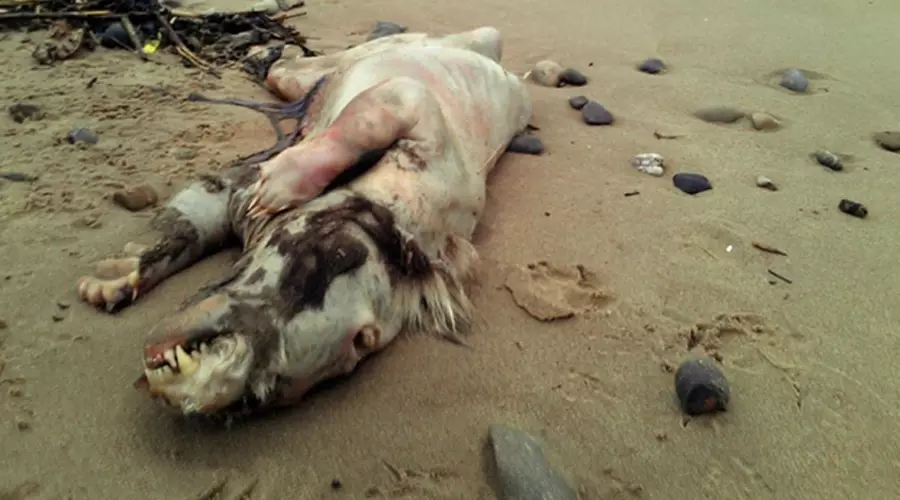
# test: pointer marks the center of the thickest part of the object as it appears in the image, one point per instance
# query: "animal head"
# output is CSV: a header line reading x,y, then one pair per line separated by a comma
x,y
317,296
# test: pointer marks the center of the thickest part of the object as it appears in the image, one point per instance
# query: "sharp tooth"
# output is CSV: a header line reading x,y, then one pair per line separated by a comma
x,y
185,362
170,358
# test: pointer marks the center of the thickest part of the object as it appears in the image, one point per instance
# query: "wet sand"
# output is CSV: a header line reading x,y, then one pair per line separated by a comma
x,y
815,396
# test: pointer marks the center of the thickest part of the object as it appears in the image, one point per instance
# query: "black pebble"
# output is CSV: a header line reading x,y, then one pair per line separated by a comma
x,y
336,484
578,102
572,77
829,160
385,28
701,387
652,66
17,177
82,135
526,144
115,37
853,208
594,113
691,183
888,140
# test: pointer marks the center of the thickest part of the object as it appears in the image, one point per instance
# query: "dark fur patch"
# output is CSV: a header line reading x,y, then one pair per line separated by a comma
x,y
326,250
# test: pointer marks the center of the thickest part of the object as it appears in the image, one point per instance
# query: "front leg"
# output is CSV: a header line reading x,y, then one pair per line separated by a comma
x,y
194,224
399,108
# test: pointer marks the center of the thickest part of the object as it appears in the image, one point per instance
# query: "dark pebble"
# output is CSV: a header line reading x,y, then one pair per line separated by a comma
x,y
385,28
82,135
853,208
523,470
526,144
578,102
889,140
701,387
828,160
17,177
336,484
691,183
794,79
572,77
20,111
652,66
594,113
115,37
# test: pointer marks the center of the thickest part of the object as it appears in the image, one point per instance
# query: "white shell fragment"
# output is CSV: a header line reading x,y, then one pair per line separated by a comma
x,y
649,163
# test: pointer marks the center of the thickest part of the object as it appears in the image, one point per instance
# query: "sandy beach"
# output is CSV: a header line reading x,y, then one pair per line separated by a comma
x,y
809,358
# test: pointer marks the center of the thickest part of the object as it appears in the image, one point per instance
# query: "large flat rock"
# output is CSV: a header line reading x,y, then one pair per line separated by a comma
x,y
525,474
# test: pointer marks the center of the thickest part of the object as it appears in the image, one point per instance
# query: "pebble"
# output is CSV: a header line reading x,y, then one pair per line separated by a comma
x,y
764,121
572,77
794,79
546,73
853,208
691,183
594,113
136,198
652,66
701,386
525,474
20,111
649,163
526,144
577,102
765,183
184,153
115,37
828,160
17,177
889,140
385,28
82,135
719,114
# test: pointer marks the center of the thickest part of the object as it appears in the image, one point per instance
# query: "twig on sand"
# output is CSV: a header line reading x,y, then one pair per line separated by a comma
x,y
132,36
213,491
182,49
767,248
782,278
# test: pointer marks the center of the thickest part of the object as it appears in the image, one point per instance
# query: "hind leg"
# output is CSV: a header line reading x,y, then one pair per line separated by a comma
x,y
399,110
194,224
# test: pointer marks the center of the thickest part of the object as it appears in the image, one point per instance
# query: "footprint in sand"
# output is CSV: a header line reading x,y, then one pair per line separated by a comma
x,y
549,292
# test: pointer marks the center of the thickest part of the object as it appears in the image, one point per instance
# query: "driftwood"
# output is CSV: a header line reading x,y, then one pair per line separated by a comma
x,y
204,41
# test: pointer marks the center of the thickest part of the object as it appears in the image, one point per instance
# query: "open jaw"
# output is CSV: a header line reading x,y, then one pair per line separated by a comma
x,y
198,377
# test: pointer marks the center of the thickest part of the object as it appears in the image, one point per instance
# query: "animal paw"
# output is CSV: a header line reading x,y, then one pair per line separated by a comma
x,y
115,285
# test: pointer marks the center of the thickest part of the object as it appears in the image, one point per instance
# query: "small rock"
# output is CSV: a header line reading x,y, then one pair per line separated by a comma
x,y
82,135
652,66
20,111
794,79
63,305
701,386
853,208
17,177
184,153
3,324
525,474
336,484
649,163
577,102
889,140
57,318
763,121
594,113
526,144
719,114
385,28
22,425
765,183
136,198
828,160
572,77
691,183
546,73
115,37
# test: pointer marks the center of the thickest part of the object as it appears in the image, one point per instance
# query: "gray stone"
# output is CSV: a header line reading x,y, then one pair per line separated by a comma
x,y
385,28
524,472
794,79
